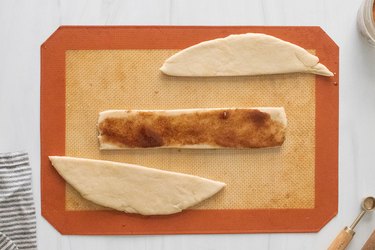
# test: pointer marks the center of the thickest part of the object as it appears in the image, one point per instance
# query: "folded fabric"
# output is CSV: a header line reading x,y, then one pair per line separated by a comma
x,y
6,243
17,211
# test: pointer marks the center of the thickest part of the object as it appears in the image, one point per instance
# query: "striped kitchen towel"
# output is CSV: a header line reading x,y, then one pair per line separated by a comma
x,y
17,211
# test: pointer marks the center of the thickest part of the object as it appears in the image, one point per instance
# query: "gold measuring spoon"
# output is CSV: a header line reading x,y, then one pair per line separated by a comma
x,y
346,235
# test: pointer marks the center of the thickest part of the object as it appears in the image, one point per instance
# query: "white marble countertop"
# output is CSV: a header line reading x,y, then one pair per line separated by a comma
x,y
24,25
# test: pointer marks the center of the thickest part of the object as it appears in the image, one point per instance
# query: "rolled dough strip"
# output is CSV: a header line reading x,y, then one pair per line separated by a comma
x,y
245,54
192,128
134,189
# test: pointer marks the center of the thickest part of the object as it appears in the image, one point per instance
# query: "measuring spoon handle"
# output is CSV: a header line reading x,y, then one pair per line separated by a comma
x,y
370,243
342,240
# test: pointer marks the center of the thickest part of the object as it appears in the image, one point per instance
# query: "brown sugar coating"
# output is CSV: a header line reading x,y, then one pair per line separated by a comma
x,y
232,128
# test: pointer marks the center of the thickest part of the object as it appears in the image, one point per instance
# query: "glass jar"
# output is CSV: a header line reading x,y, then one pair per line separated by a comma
x,y
366,22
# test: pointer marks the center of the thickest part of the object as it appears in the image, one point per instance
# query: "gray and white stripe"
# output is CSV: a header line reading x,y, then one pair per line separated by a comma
x,y
6,243
17,211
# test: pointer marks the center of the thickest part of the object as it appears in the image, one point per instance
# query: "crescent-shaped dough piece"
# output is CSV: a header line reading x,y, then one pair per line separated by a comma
x,y
244,54
204,128
132,188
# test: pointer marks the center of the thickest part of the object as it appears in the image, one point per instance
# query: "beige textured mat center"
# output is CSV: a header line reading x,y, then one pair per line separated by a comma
x,y
98,80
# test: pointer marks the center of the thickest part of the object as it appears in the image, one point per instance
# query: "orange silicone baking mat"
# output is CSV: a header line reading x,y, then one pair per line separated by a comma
x,y
86,70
